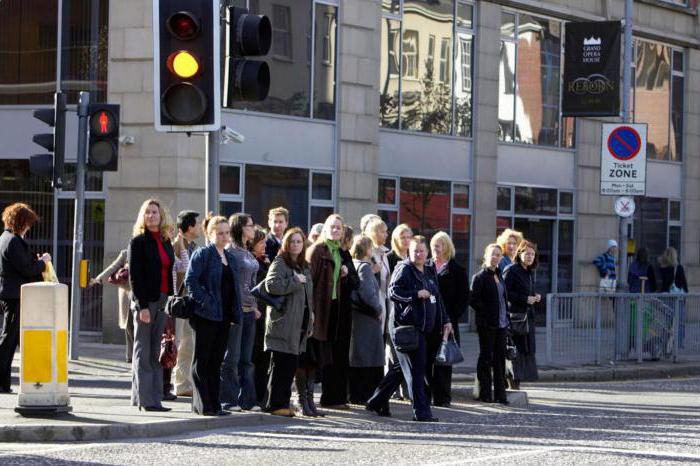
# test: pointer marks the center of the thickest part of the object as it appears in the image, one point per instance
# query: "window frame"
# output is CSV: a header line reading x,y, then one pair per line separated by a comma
x,y
240,197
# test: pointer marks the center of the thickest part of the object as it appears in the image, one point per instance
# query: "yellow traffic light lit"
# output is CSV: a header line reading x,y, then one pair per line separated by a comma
x,y
183,64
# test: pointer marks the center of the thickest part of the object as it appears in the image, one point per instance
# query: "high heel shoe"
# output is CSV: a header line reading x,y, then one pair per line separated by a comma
x,y
383,411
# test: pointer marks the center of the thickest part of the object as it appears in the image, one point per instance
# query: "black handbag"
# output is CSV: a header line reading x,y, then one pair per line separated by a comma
x,y
511,350
449,353
259,292
518,323
406,338
180,306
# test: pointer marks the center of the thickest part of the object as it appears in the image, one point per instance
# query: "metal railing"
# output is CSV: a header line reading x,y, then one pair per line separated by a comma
x,y
590,328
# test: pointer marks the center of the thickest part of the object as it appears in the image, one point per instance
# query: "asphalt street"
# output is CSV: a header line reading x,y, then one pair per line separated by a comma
x,y
638,422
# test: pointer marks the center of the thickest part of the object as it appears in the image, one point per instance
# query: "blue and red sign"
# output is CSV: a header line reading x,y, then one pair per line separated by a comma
x,y
624,143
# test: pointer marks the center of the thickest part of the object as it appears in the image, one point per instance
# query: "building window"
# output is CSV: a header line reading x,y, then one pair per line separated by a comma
x,y
421,95
658,98
230,192
304,42
28,34
651,225
530,81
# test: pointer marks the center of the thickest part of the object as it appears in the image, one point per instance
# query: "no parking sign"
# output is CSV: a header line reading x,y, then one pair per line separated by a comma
x,y
623,159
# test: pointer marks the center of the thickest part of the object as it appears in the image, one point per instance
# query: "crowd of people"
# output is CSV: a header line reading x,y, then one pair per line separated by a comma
x,y
274,310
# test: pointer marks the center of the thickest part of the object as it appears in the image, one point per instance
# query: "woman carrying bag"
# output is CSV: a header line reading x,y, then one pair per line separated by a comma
x,y
289,327
520,284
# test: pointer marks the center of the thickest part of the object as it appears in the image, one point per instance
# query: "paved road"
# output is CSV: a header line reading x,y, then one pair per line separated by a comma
x,y
640,422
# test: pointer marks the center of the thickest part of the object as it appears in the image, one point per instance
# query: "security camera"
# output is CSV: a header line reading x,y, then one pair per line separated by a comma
x,y
229,135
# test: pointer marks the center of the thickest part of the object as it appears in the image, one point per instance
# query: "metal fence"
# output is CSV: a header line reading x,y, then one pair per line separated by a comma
x,y
590,328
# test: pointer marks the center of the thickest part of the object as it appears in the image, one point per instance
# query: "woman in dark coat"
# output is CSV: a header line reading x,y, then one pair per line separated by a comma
x,y
17,267
212,281
453,281
416,295
673,281
489,300
151,259
261,358
640,269
520,283
367,337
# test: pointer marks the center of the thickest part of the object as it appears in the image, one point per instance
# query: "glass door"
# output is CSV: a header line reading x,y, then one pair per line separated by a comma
x,y
540,232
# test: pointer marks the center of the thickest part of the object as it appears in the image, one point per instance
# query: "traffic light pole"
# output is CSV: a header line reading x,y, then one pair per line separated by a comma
x,y
79,214
625,223
212,187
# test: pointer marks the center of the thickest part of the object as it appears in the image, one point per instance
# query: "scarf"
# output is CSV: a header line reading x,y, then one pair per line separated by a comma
x,y
334,248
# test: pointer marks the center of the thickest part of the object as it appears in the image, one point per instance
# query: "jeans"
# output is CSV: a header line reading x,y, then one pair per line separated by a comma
x,y
237,371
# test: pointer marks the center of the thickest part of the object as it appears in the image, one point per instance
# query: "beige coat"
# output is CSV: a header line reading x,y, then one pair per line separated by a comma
x,y
123,289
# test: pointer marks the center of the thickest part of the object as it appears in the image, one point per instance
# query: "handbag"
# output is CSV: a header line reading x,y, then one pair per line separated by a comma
x,y
259,292
607,285
511,350
518,323
120,277
449,353
180,306
406,338
675,289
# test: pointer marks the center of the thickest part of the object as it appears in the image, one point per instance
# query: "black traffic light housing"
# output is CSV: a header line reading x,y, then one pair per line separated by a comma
x,y
103,144
247,35
51,165
187,81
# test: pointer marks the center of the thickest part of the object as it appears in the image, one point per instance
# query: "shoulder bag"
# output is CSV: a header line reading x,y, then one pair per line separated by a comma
x,y
120,277
259,292
180,305
406,338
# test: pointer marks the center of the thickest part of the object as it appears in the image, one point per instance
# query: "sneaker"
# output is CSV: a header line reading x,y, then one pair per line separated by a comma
x,y
231,407
254,409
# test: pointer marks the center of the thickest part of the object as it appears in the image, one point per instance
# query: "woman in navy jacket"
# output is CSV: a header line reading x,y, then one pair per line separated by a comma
x,y
415,292
489,299
212,281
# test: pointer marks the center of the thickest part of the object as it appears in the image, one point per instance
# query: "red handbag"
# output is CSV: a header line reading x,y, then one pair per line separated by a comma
x,y
168,348
120,277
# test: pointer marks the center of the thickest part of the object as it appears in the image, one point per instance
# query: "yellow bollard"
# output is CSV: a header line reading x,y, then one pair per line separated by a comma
x,y
43,374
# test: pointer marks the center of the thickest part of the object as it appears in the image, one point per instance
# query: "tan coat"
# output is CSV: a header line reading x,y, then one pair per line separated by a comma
x,y
123,289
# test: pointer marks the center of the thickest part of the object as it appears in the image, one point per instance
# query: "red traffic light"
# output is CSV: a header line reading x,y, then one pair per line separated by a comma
x,y
102,123
183,25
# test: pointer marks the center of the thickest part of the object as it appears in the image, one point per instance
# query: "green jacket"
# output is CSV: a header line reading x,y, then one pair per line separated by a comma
x,y
283,329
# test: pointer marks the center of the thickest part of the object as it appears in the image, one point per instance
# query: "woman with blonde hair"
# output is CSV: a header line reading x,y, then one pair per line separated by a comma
x,y
328,273
400,239
453,283
150,259
212,280
508,242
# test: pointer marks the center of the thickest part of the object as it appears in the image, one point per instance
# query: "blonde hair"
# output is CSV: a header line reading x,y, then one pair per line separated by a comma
x,y
325,232
373,227
361,246
165,225
669,258
213,222
364,221
396,237
447,244
487,249
506,235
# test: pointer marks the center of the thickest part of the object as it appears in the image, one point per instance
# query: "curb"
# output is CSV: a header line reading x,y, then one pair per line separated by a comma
x,y
606,374
98,432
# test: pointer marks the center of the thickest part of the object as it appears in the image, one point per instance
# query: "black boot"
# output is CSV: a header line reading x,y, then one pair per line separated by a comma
x,y
310,397
301,384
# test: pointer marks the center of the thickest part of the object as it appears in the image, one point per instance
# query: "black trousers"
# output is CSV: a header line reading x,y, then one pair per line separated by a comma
x,y
261,361
210,341
129,337
363,382
282,369
492,355
439,377
334,376
9,340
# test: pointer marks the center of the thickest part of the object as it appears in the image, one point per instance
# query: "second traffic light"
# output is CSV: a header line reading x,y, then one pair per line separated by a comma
x,y
103,145
51,165
187,80
247,35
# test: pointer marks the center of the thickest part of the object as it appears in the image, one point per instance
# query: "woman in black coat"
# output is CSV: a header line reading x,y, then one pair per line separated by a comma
x,y
520,283
488,298
17,267
151,259
673,281
453,280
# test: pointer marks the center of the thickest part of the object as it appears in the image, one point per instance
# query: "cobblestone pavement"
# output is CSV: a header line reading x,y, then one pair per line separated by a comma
x,y
640,422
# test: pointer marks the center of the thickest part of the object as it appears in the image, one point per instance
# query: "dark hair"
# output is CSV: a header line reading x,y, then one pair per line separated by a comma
x,y
18,216
642,255
259,236
186,219
348,233
525,244
237,222
284,249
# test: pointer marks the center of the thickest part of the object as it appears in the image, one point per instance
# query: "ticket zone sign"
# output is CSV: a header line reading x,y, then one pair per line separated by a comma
x,y
623,159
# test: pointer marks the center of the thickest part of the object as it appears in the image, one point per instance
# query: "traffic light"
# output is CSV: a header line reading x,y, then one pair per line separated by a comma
x,y
246,36
103,145
51,165
186,58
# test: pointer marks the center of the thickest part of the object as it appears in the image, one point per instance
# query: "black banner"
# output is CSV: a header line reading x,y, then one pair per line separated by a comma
x,y
591,84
